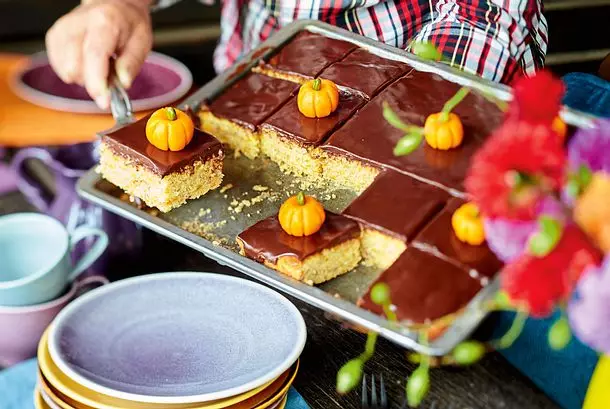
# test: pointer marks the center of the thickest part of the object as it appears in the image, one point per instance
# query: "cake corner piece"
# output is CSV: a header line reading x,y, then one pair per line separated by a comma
x,y
162,179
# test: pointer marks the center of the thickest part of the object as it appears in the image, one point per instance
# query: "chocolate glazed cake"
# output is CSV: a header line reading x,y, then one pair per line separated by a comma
x,y
401,221
162,179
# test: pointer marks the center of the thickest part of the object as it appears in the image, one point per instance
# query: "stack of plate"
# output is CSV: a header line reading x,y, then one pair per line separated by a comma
x,y
172,341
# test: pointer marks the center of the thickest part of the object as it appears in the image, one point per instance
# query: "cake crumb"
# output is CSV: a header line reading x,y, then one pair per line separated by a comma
x,y
232,217
234,202
333,196
309,282
216,243
248,214
278,182
226,187
225,196
203,212
259,188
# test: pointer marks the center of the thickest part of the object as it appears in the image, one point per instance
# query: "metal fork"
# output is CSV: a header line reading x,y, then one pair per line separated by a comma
x,y
379,400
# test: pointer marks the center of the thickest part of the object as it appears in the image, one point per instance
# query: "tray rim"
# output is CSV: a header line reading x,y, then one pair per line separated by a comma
x,y
467,320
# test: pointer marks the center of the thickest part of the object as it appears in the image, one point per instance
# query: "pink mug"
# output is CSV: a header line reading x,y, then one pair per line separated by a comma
x,y
22,327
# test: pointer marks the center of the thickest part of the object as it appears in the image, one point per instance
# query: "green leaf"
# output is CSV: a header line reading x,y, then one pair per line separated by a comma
x,y
503,300
426,50
407,144
468,352
546,238
393,118
349,376
560,334
418,386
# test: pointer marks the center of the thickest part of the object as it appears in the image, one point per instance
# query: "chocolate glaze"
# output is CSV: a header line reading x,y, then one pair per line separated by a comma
x,y
424,288
291,123
267,241
131,143
368,137
308,54
438,237
364,71
252,99
397,204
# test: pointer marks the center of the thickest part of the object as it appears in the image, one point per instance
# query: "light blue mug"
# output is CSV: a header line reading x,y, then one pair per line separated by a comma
x,y
35,261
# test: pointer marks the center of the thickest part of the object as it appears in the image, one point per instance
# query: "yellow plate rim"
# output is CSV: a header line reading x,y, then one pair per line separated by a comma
x,y
48,367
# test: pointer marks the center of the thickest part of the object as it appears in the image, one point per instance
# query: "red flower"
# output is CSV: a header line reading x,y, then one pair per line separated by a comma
x,y
516,166
540,283
537,99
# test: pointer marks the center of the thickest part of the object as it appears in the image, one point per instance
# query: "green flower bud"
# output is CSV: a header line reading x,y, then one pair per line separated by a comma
x,y
560,334
426,50
349,376
418,386
468,352
380,294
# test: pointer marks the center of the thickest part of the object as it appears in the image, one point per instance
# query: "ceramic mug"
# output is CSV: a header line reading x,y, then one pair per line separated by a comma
x,y
67,164
35,257
22,327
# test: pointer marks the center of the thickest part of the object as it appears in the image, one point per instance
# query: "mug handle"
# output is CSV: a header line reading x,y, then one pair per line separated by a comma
x,y
94,252
28,187
91,280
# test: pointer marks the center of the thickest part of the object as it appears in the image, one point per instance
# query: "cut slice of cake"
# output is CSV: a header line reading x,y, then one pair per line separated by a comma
x,y
288,137
234,116
391,211
304,57
162,179
424,288
332,251
439,239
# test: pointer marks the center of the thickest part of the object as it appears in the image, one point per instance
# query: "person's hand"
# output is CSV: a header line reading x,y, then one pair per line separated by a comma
x,y
81,44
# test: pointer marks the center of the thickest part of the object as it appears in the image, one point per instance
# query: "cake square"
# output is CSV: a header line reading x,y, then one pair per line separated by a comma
x,y
332,251
392,210
364,71
424,288
288,136
304,57
438,237
233,117
162,179
368,138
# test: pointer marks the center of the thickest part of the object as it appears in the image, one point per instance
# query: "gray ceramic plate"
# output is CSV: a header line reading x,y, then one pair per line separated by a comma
x,y
177,337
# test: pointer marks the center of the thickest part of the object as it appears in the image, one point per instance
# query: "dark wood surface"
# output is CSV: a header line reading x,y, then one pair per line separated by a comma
x,y
491,384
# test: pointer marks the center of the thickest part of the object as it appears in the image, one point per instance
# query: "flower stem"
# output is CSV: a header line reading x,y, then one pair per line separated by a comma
x,y
454,101
393,119
513,332
171,114
369,347
317,84
301,199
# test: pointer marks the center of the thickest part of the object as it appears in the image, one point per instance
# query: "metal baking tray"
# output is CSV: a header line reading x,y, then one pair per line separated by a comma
x,y
211,223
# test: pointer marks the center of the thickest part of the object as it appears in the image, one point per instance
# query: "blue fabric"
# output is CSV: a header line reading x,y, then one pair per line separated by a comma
x,y
564,375
587,93
18,382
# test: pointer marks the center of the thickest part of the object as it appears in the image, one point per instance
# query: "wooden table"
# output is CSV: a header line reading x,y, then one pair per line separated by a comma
x,y
491,384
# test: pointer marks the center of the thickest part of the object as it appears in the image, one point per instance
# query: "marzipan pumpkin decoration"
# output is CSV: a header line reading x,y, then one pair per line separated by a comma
x,y
301,215
444,131
318,98
170,129
468,225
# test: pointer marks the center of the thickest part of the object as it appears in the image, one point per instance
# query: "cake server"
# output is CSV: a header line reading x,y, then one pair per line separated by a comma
x,y
120,105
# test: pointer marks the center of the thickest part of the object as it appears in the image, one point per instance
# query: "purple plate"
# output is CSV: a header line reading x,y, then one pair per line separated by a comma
x,y
162,81
177,338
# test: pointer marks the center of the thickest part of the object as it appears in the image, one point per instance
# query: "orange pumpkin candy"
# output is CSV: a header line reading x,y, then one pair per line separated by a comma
x,y
301,215
444,131
169,129
468,225
318,98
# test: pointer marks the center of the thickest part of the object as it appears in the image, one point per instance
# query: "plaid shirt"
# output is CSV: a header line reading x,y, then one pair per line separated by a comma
x,y
493,38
